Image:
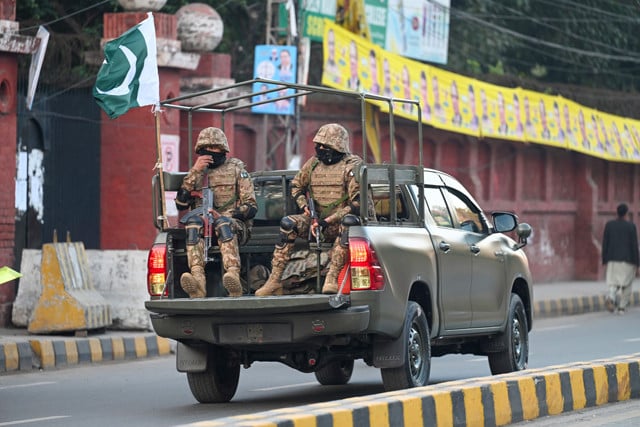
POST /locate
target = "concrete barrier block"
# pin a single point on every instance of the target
(121, 278)
(118, 275)
(68, 301)
(29, 287)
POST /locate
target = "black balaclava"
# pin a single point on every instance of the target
(218, 158)
(327, 155)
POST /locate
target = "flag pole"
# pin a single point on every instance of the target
(163, 213)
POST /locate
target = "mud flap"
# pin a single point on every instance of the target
(389, 353)
(191, 359)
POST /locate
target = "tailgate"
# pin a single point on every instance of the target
(247, 305)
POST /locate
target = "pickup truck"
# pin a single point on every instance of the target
(429, 273)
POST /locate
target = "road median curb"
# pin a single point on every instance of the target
(489, 401)
(575, 305)
(49, 353)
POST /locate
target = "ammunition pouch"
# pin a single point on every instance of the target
(223, 229)
(193, 227)
(242, 230)
(344, 236)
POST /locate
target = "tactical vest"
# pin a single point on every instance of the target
(328, 187)
(223, 182)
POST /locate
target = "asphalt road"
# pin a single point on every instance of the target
(151, 392)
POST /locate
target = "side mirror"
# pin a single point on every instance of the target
(523, 231)
(504, 222)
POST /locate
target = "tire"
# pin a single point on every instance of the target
(416, 367)
(219, 382)
(335, 373)
(514, 341)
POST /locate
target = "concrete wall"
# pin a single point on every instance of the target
(119, 276)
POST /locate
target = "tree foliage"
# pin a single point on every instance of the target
(73, 55)
(588, 42)
(530, 43)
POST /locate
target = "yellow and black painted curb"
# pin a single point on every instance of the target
(25, 355)
(488, 401)
(576, 305)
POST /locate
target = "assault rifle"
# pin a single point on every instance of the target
(209, 216)
(311, 204)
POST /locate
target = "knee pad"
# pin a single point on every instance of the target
(287, 224)
(288, 231)
(223, 229)
(193, 227)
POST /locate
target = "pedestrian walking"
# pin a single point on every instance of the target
(620, 256)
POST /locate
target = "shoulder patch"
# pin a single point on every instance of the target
(244, 174)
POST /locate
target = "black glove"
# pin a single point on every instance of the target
(183, 199)
(323, 224)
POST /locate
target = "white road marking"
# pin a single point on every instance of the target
(555, 328)
(33, 420)
(282, 387)
(7, 387)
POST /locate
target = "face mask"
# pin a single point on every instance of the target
(328, 156)
(218, 158)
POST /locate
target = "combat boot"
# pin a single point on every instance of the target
(331, 281)
(231, 282)
(273, 285)
(339, 256)
(195, 282)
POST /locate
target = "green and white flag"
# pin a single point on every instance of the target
(128, 76)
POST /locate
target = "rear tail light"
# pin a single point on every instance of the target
(157, 271)
(366, 272)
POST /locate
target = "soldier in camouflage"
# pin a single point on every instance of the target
(234, 203)
(328, 179)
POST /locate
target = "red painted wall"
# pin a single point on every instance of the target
(8, 130)
(128, 151)
(566, 196)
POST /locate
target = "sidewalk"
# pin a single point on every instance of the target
(21, 351)
(574, 297)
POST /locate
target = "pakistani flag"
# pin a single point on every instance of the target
(128, 76)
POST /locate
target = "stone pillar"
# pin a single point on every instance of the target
(128, 143)
(11, 45)
(587, 244)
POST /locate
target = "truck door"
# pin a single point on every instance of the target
(454, 263)
(487, 256)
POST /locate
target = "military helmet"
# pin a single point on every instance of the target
(334, 136)
(211, 137)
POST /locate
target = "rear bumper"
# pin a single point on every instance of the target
(261, 328)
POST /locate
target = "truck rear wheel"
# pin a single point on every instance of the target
(335, 373)
(515, 341)
(416, 366)
(218, 383)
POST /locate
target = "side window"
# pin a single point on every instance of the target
(271, 202)
(465, 214)
(382, 204)
(438, 207)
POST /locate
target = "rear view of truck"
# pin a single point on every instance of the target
(429, 273)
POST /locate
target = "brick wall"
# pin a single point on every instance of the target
(8, 124)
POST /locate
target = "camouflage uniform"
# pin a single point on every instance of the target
(233, 199)
(333, 187)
